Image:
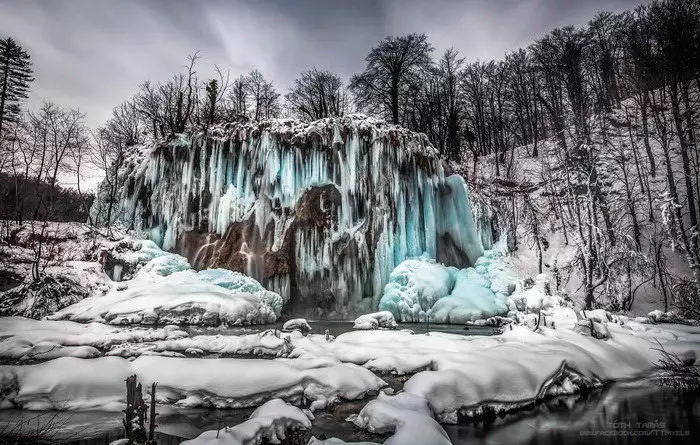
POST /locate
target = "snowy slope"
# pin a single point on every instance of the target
(619, 146)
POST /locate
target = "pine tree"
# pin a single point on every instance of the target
(15, 76)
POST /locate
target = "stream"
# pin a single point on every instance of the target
(636, 412)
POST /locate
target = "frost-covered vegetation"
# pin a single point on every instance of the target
(551, 199)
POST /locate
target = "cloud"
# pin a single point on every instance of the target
(93, 54)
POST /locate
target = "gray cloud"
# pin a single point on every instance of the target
(93, 54)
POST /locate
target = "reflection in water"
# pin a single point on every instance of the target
(339, 327)
(622, 413)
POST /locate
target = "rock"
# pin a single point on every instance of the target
(592, 328)
(296, 324)
(376, 320)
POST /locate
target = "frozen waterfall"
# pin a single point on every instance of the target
(321, 211)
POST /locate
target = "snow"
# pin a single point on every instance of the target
(27, 339)
(376, 320)
(452, 374)
(167, 291)
(265, 343)
(405, 415)
(420, 287)
(77, 384)
(460, 373)
(296, 324)
(268, 423)
(336, 441)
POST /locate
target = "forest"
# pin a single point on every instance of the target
(607, 112)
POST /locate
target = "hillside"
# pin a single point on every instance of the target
(624, 183)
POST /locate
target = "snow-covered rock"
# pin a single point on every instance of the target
(167, 291)
(268, 424)
(376, 320)
(296, 324)
(407, 416)
(420, 287)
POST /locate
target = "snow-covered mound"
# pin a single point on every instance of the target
(167, 291)
(419, 287)
(376, 320)
(268, 424)
(77, 384)
(296, 324)
(405, 415)
(320, 211)
(27, 339)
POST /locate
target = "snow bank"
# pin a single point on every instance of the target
(459, 373)
(376, 320)
(77, 384)
(265, 343)
(167, 291)
(336, 441)
(28, 339)
(405, 415)
(419, 287)
(269, 423)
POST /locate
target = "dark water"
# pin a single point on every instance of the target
(339, 327)
(622, 413)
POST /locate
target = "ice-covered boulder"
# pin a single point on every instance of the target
(167, 291)
(296, 324)
(421, 286)
(376, 320)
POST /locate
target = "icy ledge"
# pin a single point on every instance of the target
(166, 290)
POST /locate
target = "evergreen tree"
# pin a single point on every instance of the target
(15, 76)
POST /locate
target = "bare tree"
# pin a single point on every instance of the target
(392, 67)
(317, 94)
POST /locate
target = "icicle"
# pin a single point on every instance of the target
(394, 200)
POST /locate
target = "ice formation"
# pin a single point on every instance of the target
(167, 291)
(421, 287)
(321, 212)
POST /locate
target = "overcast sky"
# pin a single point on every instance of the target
(93, 54)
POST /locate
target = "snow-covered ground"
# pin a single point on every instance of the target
(450, 375)
(87, 275)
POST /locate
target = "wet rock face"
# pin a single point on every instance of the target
(321, 212)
